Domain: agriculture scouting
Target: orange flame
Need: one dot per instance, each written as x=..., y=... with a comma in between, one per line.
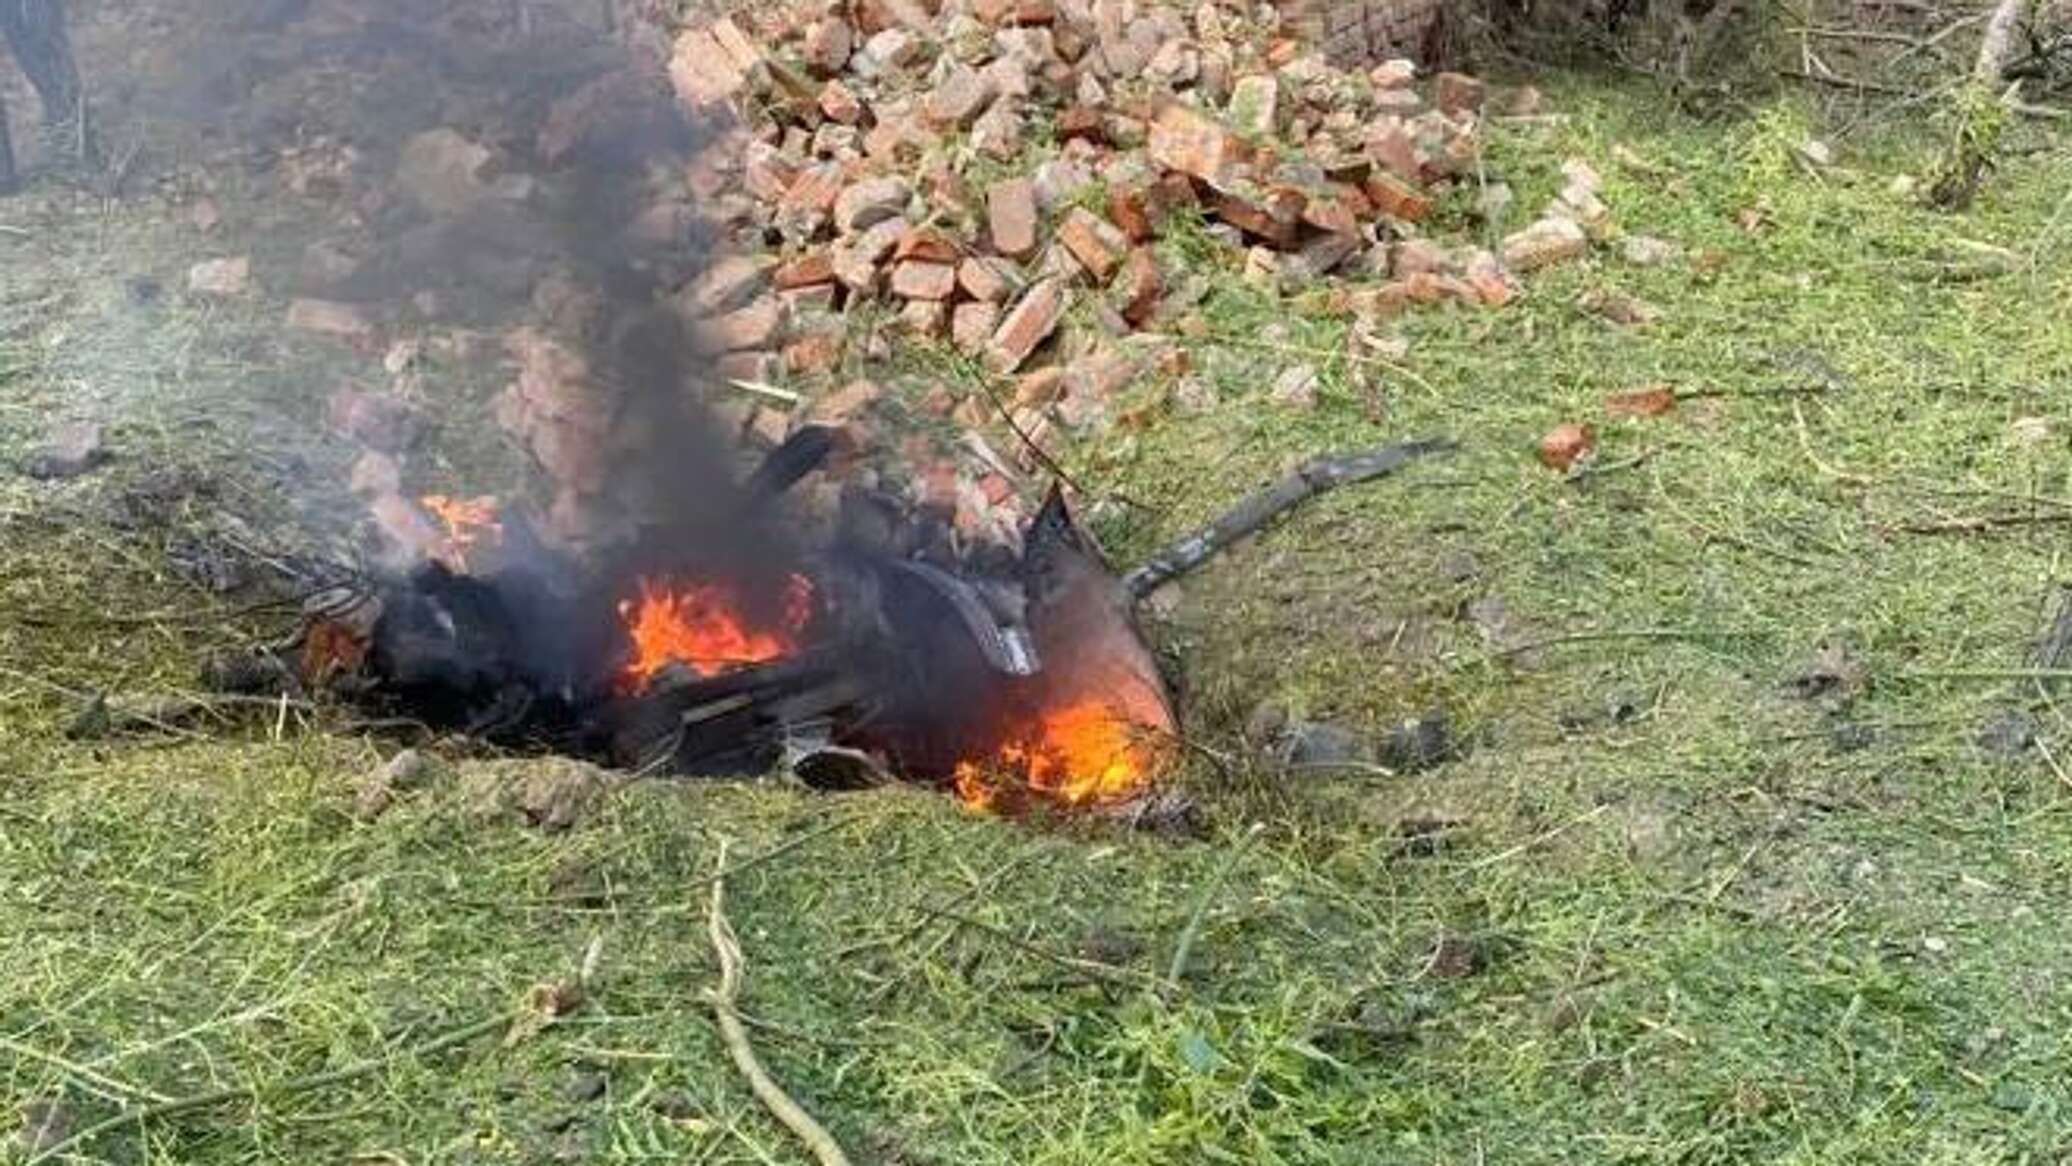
x=1087, y=752
x=469, y=522
x=700, y=626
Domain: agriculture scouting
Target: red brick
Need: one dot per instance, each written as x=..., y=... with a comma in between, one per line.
x=926, y=318
x=840, y=103
x=1193, y=143
x=870, y=202
x=767, y=173
x=1011, y=216
x=1392, y=144
x=1272, y=218
x=1144, y=286
x=817, y=297
x=1129, y=208
x=727, y=284
x=917, y=279
x=1031, y=322
x=755, y=326
x=1082, y=121
x=1094, y=242
x=1328, y=213
x=995, y=488
x=1412, y=256
x=1397, y=198
x=702, y=72
x=961, y=96
x=931, y=244
x=805, y=271
x=1548, y=241
x=827, y=45
x=984, y=279
x=329, y=318
x=972, y=324
x=813, y=193
x=1171, y=193
x=1565, y=444
x=746, y=366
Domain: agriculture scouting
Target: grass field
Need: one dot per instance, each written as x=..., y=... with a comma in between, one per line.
x=1727, y=873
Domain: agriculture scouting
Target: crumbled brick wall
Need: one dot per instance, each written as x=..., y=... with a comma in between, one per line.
x=1357, y=32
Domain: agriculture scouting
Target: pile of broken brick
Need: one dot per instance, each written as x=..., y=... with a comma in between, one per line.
x=970, y=173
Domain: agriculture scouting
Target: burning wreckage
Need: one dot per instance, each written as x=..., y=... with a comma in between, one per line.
x=1017, y=678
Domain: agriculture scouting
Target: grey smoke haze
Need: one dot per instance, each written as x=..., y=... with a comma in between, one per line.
x=357, y=110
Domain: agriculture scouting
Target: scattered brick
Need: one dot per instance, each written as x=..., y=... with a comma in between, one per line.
x=986, y=279
x=813, y=268
x=1397, y=198
x=1549, y=241
x=756, y=326
x=827, y=46
x=1031, y=322
x=972, y=324
x=1011, y=216
x=1566, y=444
x=917, y=279
x=1129, y=208
x=1143, y=285
x=867, y=203
x=1094, y=242
x=840, y=104
x=1193, y=143
x=963, y=94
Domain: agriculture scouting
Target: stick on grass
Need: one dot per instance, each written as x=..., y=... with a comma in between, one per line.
x=772, y=1095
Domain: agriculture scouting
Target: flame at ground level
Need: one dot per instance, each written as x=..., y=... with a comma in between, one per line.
x=1086, y=752
x=700, y=626
x=469, y=522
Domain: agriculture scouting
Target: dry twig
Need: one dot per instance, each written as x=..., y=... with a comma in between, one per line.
x=735, y=1034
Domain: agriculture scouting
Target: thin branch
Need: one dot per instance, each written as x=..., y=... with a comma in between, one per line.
x=772, y=1095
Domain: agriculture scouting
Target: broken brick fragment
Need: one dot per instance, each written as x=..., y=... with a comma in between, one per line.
x=1549, y=241
x=917, y=279
x=931, y=244
x=840, y=103
x=755, y=326
x=1031, y=322
x=1129, y=208
x=963, y=94
x=1011, y=217
x=869, y=202
x=1193, y=143
x=1397, y=198
x=1272, y=217
x=972, y=325
x=984, y=278
x=1143, y=285
x=1081, y=121
x=807, y=270
x=1095, y=242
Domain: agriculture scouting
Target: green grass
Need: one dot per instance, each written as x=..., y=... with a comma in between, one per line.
x=1697, y=931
